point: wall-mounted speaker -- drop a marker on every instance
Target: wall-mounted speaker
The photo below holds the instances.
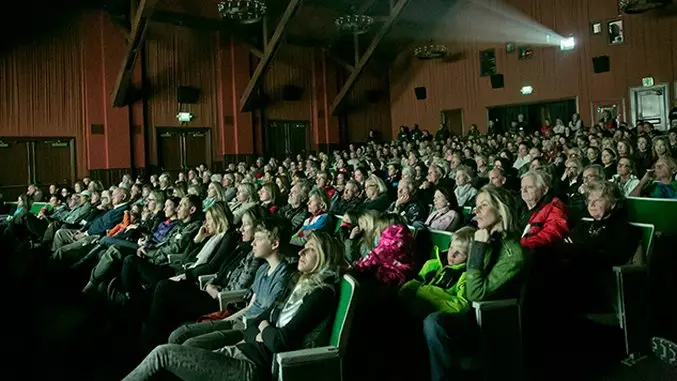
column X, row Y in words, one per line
column 497, row 81
column 601, row 64
column 421, row 93
column 188, row 94
column 292, row 93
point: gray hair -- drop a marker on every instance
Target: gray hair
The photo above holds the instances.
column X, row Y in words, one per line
column 597, row 168
column 542, row 178
column 249, row 190
column 610, row 191
column 467, row 170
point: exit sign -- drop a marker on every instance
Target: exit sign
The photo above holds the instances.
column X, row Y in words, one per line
column 647, row 81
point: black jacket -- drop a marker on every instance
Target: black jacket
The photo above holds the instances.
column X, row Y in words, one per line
column 296, row 216
column 224, row 250
column 412, row 212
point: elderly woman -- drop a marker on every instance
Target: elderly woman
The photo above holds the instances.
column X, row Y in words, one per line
column 376, row 195
column 608, row 240
column 659, row 182
column 546, row 220
column 446, row 214
column 245, row 198
column 319, row 220
column 495, row 268
column 625, row 176
column 464, row 191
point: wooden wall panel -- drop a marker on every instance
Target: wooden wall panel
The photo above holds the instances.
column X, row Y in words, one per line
column 364, row 113
column 41, row 91
column 292, row 66
column 650, row 49
column 177, row 56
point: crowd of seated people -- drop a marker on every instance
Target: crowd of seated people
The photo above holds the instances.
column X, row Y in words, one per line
column 270, row 228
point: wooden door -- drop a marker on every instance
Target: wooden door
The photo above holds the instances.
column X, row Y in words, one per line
column 53, row 161
column 196, row 149
column 276, row 139
column 453, row 121
column 296, row 135
column 15, row 173
column 170, row 151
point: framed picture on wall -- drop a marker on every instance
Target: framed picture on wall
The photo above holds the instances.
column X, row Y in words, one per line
column 596, row 28
column 615, row 31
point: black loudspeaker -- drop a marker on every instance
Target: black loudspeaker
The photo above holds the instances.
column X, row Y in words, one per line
column 292, row 93
column 497, row 81
column 601, row 64
column 373, row 96
column 421, row 93
column 188, row 94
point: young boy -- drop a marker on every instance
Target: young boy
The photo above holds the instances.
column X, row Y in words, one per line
column 270, row 281
column 440, row 285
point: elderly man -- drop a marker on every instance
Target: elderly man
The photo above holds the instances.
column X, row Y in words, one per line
column 546, row 220
column 659, row 183
column 229, row 188
column 350, row 199
column 296, row 211
column 407, row 204
column 71, row 245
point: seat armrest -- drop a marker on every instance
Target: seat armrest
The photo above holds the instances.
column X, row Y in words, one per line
column 628, row 269
column 203, row 280
column 305, row 355
column 175, row 258
column 226, row 297
column 493, row 304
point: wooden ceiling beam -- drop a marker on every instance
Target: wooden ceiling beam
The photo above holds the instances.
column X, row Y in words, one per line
column 138, row 33
column 364, row 59
column 269, row 53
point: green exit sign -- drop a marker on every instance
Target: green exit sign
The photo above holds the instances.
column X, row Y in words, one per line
column 647, row 81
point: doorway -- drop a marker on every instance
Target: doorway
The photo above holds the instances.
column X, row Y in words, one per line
column 535, row 114
column 286, row 137
column 650, row 104
column 39, row 161
column 180, row 149
column 452, row 120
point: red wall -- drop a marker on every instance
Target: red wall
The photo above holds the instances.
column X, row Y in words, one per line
column 650, row 49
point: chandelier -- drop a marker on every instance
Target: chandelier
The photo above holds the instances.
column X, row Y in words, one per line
column 430, row 51
column 244, row 11
column 355, row 24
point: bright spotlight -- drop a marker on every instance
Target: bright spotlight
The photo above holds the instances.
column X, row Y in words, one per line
column 567, row 43
column 526, row 90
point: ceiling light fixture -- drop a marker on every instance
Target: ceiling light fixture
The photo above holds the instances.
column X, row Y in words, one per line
column 243, row 11
column 430, row 51
column 354, row 24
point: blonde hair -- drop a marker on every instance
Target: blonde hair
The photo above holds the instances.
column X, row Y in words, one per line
column 462, row 238
column 367, row 221
column 330, row 262
column 504, row 204
column 222, row 216
column 219, row 190
column 373, row 179
column 322, row 196
column 249, row 190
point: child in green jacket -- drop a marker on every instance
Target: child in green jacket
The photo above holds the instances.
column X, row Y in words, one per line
column 440, row 285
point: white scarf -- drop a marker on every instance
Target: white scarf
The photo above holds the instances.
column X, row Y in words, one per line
column 207, row 250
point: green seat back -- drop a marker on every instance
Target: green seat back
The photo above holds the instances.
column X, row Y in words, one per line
column 467, row 212
column 648, row 231
column 661, row 213
column 441, row 239
column 344, row 312
column 35, row 208
column 339, row 221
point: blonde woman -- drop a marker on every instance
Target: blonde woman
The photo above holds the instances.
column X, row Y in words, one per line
column 303, row 307
column 495, row 269
column 245, row 198
column 361, row 236
column 218, row 222
column 214, row 194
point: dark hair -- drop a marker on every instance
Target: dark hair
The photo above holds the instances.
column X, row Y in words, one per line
column 279, row 229
column 449, row 194
column 176, row 201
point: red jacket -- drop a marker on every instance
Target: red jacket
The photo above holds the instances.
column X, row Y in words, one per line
column 547, row 225
column 392, row 261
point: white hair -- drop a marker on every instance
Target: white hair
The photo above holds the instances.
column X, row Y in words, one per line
column 543, row 179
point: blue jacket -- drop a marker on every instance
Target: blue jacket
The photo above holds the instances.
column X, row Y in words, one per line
column 107, row 221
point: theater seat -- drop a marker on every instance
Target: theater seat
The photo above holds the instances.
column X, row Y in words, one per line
column 325, row 363
column 500, row 324
column 658, row 212
column 630, row 303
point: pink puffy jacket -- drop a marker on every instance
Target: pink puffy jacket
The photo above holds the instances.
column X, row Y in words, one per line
column 392, row 261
